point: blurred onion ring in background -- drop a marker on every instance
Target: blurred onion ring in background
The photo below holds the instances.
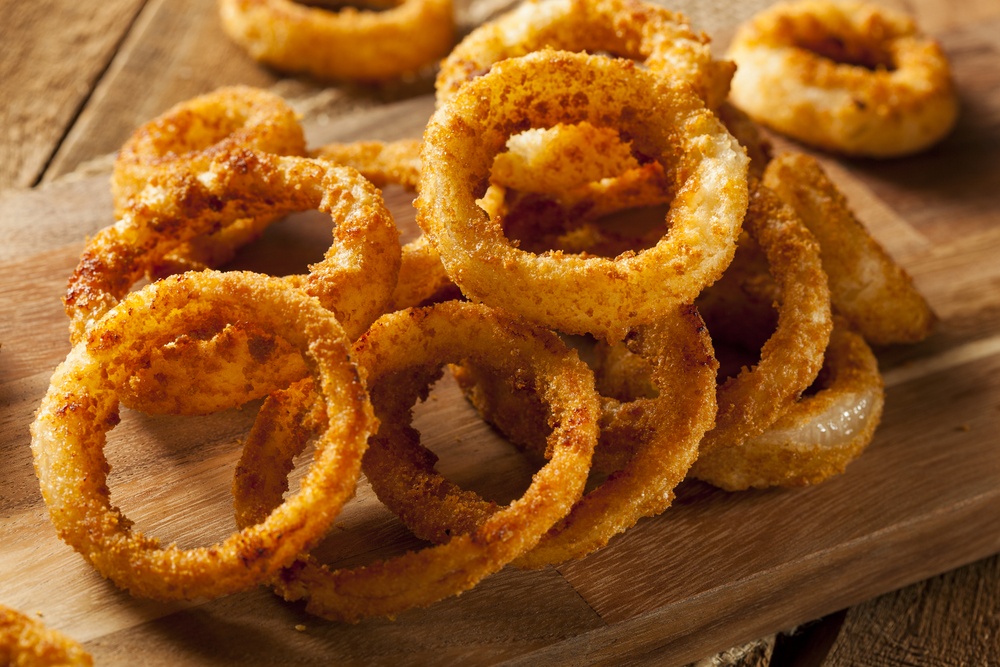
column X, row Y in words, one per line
column 849, row 77
column 26, row 642
column 663, row 41
column 81, row 406
column 348, row 44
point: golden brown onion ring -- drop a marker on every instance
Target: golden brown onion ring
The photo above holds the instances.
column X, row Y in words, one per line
column 26, row 642
column 647, row 444
column 577, row 294
column 346, row 45
column 817, row 437
column 190, row 134
column 867, row 286
column 422, row 278
column 792, row 356
column 69, row 434
column 355, row 279
column 400, row 354
column 850, row 77
column 662, row 40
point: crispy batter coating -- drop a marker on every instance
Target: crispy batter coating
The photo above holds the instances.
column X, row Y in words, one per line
column 189, row 135
column 26, row 642
column 571, row 293
column 818, row 436
column 867, row 286
column 345, row 45
column 81, row 406
column 849, row 77
column 400, row 355
column 792, row 356
column 176, row 206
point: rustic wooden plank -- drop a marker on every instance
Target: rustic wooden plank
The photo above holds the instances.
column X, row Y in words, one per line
column 48, row 46
column 948, row 620
column 175, row 51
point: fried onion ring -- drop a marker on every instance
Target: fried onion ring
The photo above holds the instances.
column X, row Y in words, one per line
column 400, row 355
column 647, row 443
column 818, row 436
column 26, row 642
column 422, row 278
column 849, row 77
column 69, row 434
column 345, row 45
column 867, row 286
column 355, row 279
column 191, row 133
column 662, row 40
column 792, row 356
column 576, row 294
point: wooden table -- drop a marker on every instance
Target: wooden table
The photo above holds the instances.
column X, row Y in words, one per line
column 854, row 565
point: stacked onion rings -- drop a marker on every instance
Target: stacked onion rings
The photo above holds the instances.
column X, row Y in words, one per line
column 68, row 435
column 405, row 350
column 531, row 179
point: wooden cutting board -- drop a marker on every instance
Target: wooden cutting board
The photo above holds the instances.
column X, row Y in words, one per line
column 714, row 570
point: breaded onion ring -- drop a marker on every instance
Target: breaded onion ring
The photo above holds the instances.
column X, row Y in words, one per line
column 26, row 642
column 792, row 356
column 662, row 40
column 849, row 77
column 817, row 437
column 345, row 45
column 868, row 287
column 176, row 206
column 422, row 278
column 664, row 432
column 400, row 355
column 576, row 294
column 381, row 162
column 69, row 434
column 190, row 135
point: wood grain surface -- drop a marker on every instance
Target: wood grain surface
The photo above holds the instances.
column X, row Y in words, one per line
column 717, row 570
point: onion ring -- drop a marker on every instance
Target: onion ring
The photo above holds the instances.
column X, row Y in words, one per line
column 355, row 280
column 69, row 432
column 817, row 437
column 662, row 40
column 422, row 278
column 400, row 354
column 191, row 133
column 345, row 45
column 867, row 286
column 792, row 356
column 647, row 444
column 849, row 77
column 26, row 642
column 570, row 293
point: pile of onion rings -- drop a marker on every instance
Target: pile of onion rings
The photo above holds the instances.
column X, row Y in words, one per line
column 618, row 272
